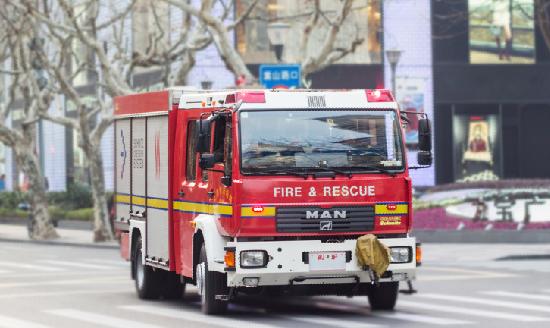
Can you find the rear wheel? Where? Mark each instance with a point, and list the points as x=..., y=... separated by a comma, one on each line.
x=384, y=296
x=148, y=282
x=210, y=284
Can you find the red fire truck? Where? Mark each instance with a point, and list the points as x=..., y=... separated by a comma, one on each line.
x=242, y=191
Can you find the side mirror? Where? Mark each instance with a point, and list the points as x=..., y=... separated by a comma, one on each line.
x=424, y=158
x=203, y=142
x=207, y=161
x=424, y=135
x=226, y=180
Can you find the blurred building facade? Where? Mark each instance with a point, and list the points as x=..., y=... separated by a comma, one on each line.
x=478, y=68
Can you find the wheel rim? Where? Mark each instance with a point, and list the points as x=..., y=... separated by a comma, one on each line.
x=201, y=281
x=140, y=274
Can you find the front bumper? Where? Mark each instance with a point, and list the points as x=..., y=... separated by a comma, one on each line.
x=287, y=266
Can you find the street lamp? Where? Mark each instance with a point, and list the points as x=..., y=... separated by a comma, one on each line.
x=276, y=34
x=393, y=56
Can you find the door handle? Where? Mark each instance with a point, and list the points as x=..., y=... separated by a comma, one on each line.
x=210, y=194
x=181, y=193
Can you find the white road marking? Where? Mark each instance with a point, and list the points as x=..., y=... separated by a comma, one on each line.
x=63, y=293
x=78, y=265
x=9, y=322
x=518, y=295
x=460, y=274
x=69, y=274
x=487, y=301
x=121, y=262
x=421, y=318
x=190, y=316
x=5, y=271
x=471, y=311
x=99, y=319
x=335, y=321
x=18, y=265
x=88, y=281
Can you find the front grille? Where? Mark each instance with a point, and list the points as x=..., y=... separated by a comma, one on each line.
x=295, y=219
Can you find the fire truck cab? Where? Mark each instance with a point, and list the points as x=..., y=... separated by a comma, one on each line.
x=241, y=191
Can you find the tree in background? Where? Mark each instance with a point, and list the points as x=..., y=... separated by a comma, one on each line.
x=20, y=42
x=101, y=29
x=319, y=20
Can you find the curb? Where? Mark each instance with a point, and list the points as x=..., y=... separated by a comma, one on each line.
x=59, y=243
x=482, y=236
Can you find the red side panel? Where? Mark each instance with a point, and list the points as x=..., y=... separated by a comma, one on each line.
x=142, y=103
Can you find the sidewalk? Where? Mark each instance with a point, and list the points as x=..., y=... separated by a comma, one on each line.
x=67, y=237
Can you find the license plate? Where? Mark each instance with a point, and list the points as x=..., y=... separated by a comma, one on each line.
x=327, y=261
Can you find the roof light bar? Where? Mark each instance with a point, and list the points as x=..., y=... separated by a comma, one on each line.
x=379, y=95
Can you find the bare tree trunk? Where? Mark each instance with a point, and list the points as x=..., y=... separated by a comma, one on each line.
x=543, y=17
x=101, y=225
x=27, y=160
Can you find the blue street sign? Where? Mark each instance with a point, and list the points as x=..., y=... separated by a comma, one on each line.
x=280, y=76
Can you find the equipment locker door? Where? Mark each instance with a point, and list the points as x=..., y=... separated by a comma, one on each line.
x=122, y=170
x=157, y=189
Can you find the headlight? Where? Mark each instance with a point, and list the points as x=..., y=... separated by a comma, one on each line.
x=400, y=254
x=253, y=259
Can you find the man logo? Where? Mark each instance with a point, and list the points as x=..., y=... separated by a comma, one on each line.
x=325, y=225
x=326, y=215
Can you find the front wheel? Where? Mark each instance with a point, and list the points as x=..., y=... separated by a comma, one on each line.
x=210, y=284
x=384, y=296
x=148, y=282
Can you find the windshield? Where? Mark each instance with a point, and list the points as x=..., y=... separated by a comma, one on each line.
x=359, y=140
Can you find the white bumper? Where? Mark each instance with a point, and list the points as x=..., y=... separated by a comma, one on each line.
x=287, y=263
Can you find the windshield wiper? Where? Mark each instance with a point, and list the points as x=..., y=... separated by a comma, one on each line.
x=375, y=168
x=262, y=171
x=346, y=172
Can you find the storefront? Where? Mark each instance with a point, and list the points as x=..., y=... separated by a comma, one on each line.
x=491, y=82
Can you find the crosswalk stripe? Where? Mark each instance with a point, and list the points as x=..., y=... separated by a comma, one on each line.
x=331, y=322
x=78, y=265
x=518, y=295
x=471, y=311
x=9, y=322
x=87, y=281
x=63, y=293
x=487, y=301
x=18, y=265
x=421, y=318
x=121, y=263
x=190, y=316
x=99, y=319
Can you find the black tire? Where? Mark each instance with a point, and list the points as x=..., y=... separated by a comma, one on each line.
x=384, y=296
x=172, y=287
x=147, y=281
x=210, y=284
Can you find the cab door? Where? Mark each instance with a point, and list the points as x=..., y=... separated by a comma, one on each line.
x=220, y=190
x=190, y=188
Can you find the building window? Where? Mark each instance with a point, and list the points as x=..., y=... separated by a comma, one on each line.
x=253, y=41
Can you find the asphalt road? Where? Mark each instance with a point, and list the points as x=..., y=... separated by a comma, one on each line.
x=53, y=286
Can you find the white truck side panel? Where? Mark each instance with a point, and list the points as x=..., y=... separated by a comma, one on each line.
x=138, y=165
x=157, y=188
x=122, y=169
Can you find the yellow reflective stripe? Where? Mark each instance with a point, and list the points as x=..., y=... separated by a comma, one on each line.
x=123, y=198
x=383, y=209
x=268, y=211
x=178, y=205
x=137, y=200
x=157, y=203
x=203, y=208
